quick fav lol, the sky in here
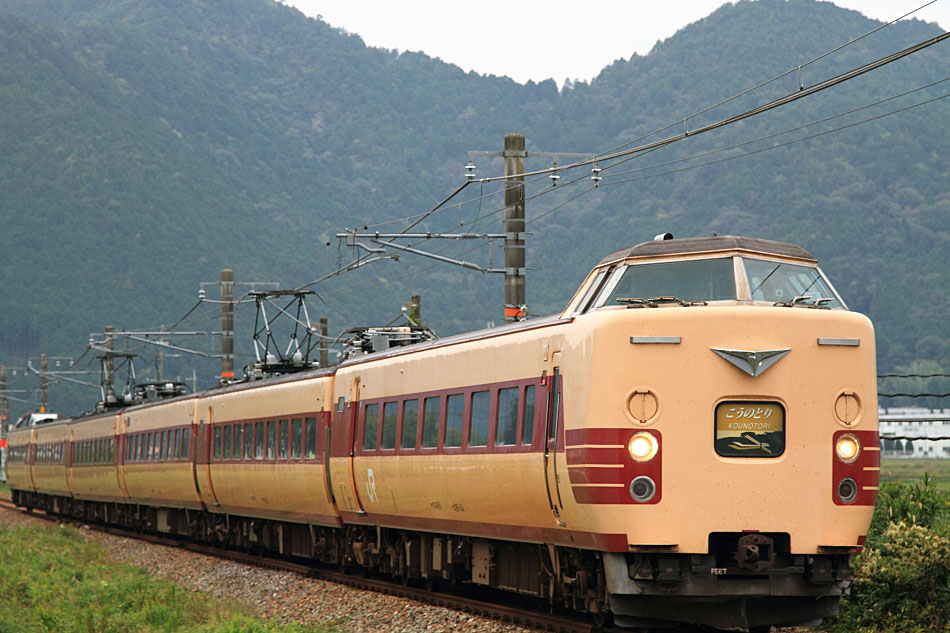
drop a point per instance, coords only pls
(559, 40)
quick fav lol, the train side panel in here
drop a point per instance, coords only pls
(50, 464)
(19, 475)
(156, 466)
(265, 452)
(93, 470)
(481, 477)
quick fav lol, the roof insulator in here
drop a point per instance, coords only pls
(470, 172)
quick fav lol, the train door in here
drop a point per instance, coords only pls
(118, 457)
(203, 458)
(352, 419)
(552, 433)
(29, 460)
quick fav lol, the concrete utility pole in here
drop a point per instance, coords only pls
(44, 382)
(110, 365)
(227, 325)
(324, 355)
(514, 155)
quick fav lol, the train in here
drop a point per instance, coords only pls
(692, 440)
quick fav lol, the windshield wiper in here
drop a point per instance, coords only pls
(636, 302)
(752, 294)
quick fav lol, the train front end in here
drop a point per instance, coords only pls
(727, 427)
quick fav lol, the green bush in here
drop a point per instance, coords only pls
(920, 503)
(902, 579)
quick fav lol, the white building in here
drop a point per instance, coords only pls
(915, 422)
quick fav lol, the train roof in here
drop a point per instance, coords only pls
(708, 245)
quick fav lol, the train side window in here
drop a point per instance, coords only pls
(431, 417)
(248, 441)
(410, 424)
(527, 431)
(258, 440)
(454, 420)
(165, 435)
(217, 442)
(174, 451)
(271, 439)
(296, 438)
(311, 438)
(284, 438)
(340, 404)
(390, 415)
(185, 442)
(136, 447)
(226, 442)
(478, 430)
(111, 449)
(555, 398)
(506, 432)
(238, 451)
(370, 426)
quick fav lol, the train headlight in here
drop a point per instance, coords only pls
(643, 446)
(848, 448)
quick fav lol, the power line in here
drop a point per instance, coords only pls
(768, 136)
(913, 376)
(780, 145)
(768, 81)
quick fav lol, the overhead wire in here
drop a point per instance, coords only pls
(773, 147)
(768, 136)
(773, 79)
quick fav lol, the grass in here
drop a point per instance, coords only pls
(909, 470)
(52, 580)
(4, 489)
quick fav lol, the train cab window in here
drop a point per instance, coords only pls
(296, 438)
(390, 415)
(454, 420)
(310, 433)
(258, 440)
(527, 430)
(431, 417)
(690, 280)
(370, 426)
(248, 441)
(217, 442)
(271, 439)
(478, 429)
(410, 424)
(283, 439)
(226, 442)
(592, 291)
(506, 431)
(779, 282)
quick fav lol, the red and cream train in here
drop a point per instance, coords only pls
(693, 439)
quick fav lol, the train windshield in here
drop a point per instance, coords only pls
(788, 283)
(692, 280)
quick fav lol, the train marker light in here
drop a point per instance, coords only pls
(642, 489)
(848, 448)
(847, 490)
(643, 446)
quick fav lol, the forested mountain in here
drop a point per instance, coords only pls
(147, 145)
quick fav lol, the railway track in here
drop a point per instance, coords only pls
(504, 613)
